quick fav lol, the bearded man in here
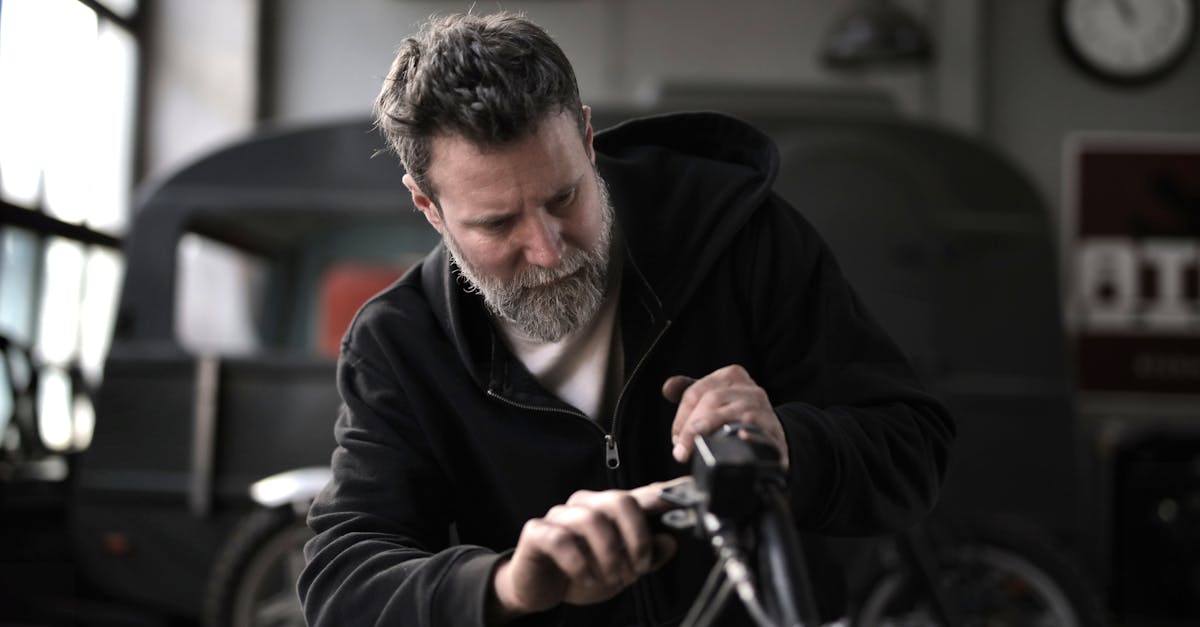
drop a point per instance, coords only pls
(512, 404)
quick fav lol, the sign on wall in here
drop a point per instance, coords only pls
(1132, 258)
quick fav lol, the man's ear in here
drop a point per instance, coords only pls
(587, 134)
(424, 203)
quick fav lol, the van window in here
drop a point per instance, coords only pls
(219, 297)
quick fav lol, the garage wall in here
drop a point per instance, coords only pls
(1035, 97)
(331, 57)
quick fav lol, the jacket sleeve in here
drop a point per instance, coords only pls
(380, 553)
(868, 447)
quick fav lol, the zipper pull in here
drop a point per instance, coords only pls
(611, 458)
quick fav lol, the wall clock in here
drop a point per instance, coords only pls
(1127, 41)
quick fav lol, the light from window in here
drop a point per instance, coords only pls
(66, 118)
(18, 261)
(103, 271)
(55, 426)
(62, 292)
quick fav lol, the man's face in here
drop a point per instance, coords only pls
(528, 224)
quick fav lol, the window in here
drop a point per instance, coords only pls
(219, 297)
(68, 69)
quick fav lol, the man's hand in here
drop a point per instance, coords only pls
(583, 552)
(724, 396)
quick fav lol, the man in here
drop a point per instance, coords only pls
(512, 404)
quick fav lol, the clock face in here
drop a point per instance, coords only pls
(1128, 40)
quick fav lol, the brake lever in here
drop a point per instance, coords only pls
(687, 499)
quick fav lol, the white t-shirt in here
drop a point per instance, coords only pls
(585, 368)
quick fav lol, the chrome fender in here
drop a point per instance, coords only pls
(298, 487)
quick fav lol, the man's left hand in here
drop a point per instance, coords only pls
(725, 396)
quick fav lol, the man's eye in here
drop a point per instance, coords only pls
(496, 225)
(563, 201)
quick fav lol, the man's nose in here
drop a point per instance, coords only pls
(543, 241)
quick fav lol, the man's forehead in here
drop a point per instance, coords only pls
(540, 162)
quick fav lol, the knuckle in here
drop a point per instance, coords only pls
(531, 527)
(625, 500)
(580, 496)
(611, 499)
(691, 395)
(625, 506)
(590, 517)
(565, 514)
(559, 539)
(745, 390)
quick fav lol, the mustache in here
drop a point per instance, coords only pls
(535, 277)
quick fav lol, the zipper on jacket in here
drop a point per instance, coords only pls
(611, 457)
(641, 588)
(629, 379)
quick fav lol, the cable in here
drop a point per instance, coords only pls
(707, 596)
(781, 559)
(713, 610)
(739, 575)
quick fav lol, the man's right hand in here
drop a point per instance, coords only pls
(583, 552)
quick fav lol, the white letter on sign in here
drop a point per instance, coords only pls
(1108, 287)
(1169, 257)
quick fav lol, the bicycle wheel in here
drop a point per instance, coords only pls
(991, 576)
(253, 583)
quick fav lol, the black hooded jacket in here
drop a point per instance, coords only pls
(442, 425)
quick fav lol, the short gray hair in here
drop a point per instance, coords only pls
(490, 79)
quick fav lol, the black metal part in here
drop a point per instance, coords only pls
(781, 556)
(738, 496)
(725, 466)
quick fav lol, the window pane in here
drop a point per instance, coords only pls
(218, 296)
(18, 264)
(54, 409)
(41, 44)
(66, 122)
(65, 418)
(103, 280)
(101, 180)
(58, 332)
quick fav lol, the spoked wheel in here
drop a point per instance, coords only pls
(997, 576)
(254, 580)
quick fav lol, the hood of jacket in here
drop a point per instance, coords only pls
(707, 171)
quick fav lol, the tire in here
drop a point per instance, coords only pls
(253, 581)
(991, 575)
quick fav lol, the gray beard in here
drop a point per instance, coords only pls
(544, 312)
